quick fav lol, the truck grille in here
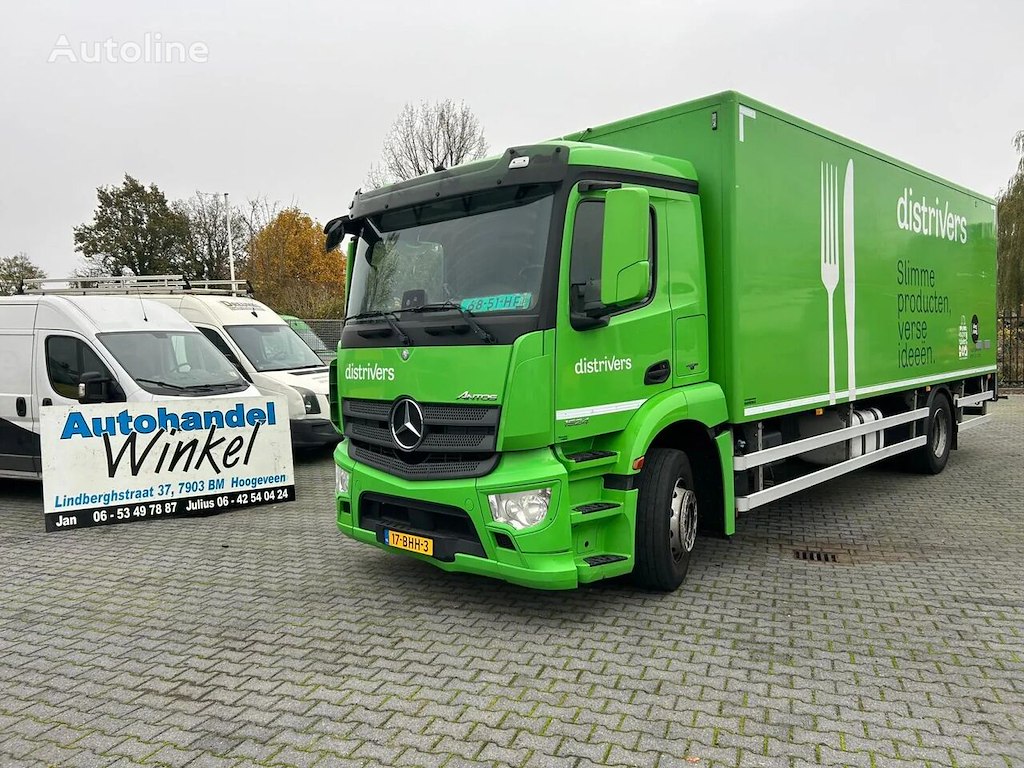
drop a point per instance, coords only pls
(458, 440)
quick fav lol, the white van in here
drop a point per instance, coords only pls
(57, 350)
(264, 348)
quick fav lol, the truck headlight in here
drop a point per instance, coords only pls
(341, 479)
(309, 400)
(521, 509)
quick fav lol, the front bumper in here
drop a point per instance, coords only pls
(313, 433)
(468, 541)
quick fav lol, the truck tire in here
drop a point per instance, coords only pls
(666, 520)
(931, 458)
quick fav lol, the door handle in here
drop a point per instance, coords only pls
(657, 373)
(20, 406)
(47, 401)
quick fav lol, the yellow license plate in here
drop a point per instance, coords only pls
(407, 541)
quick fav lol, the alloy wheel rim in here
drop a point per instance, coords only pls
(682, 528)
(939, 434)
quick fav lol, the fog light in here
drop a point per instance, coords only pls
(341, 479)
(522, 509)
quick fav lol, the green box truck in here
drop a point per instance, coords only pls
(575, 360)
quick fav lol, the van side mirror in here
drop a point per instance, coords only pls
(625, 270)
(95, 387)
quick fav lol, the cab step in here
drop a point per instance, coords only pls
(595, 510)
(585, 457)
(607, 565)
(596, 506)
(595, 561)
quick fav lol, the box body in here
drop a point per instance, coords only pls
(792, 213)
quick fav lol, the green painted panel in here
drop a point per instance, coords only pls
(430, 374)
(691, 349)
(818, 223)
(796, 219)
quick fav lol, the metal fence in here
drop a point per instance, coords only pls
(315, 331)
(1011, 349)
(328, 330)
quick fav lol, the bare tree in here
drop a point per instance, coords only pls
(426, 137)
(260, 213)
(205, 254)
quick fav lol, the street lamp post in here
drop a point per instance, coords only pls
(231, 251)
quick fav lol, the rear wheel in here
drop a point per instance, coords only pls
(666, 520)
(931, 458)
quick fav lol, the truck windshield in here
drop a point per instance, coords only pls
(173, 362)
(273, 347)
(483, 252)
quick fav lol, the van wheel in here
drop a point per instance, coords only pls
(666, 520)
(931, 458)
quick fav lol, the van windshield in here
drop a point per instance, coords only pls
(173, 362)
(273, 347)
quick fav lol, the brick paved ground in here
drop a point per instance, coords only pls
(263, 636)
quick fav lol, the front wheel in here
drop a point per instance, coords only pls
(666, 520)
(931, 458)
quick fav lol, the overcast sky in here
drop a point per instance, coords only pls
(290, 100)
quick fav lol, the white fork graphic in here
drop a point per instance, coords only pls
(830, 262)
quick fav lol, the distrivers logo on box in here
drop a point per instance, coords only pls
(923, 218)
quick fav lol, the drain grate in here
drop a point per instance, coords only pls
(815, 556)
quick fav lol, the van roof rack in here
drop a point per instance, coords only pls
(133, 285)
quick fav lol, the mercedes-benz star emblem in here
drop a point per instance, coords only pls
(405, 353)
(407, 424)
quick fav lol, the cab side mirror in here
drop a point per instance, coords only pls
(625, 269)
(96, 387)
(336, 229)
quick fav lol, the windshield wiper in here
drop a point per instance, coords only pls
(389, 318)
(211, 387)
(192, 387)
(478, 329)
(166, 384)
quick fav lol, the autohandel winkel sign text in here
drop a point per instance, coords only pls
(124, 462)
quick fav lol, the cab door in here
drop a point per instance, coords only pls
(604, 371)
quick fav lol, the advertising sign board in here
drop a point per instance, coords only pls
(128, 462)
